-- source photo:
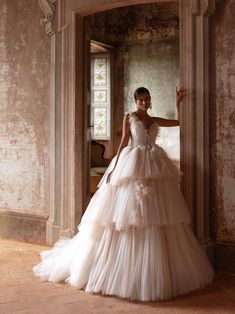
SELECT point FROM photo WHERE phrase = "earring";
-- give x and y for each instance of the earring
(150, 107)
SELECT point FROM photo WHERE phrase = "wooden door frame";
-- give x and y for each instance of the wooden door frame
(194, 116)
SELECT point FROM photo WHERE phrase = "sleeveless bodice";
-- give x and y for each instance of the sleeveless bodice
(140, 134)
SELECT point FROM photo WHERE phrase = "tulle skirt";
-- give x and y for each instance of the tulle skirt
(135, 239)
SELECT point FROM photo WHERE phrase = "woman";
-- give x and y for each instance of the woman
(134, 240)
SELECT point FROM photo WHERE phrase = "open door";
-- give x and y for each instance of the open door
(87, 112)
(82, 112)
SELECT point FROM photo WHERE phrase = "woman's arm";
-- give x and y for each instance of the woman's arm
(180, 94)
(167, 122)
(124, 141)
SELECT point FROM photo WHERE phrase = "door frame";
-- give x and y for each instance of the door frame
(194, 113)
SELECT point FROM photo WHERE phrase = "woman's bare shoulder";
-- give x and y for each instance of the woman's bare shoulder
(129, 113)
(126, 118)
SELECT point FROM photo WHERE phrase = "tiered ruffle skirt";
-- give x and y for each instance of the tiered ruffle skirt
(134, 240)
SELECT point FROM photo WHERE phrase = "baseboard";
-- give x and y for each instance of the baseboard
(209, 249)
(28, 227)
(52, 232)
(224, 257)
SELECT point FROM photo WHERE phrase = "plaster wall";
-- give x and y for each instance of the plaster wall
(222, 132)
(24, 108)
(155, 66)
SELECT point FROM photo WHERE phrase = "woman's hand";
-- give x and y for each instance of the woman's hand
(180, 94)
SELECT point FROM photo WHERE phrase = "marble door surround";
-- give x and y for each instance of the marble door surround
(64, 23)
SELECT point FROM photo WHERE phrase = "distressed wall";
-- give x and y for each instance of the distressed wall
(24, 108)
(155, 66)
(222, 133)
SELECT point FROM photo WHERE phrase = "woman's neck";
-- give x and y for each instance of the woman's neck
(142, 113)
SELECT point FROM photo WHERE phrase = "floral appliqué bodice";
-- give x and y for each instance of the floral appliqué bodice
(140, 134)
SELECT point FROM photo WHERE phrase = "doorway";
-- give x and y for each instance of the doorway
(140, 47)
(194, 150)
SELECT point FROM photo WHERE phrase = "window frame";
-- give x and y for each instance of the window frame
(108, 88)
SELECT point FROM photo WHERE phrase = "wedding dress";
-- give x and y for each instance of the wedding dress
(134, 240)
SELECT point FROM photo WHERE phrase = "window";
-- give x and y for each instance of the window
(100, 96)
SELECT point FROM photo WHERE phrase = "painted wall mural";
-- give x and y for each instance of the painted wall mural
(140, 23)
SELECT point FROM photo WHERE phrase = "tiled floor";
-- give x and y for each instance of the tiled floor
(22, 293)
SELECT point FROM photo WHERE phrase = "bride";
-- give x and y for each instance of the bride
(134, 240)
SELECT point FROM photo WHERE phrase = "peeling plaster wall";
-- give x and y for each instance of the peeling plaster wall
(222, 131)
(155, 66)
(24, 108)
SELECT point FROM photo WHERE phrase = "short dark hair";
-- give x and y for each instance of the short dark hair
(140, 91)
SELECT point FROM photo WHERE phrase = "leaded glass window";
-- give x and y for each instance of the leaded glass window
(100, 96)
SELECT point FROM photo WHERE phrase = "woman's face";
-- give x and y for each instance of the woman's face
(143, 102)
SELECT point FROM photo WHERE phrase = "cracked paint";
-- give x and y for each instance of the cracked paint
(222, 124)
(24, 108)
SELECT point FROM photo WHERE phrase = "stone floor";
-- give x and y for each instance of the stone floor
(22, 293)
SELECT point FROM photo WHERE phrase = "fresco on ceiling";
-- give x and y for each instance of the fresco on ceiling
(133, 24)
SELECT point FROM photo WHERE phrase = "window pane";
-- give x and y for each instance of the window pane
(100, 72)
(100, 125)
(100, 96)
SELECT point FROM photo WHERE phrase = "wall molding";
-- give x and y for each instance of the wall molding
(195, 116)
(49, 8)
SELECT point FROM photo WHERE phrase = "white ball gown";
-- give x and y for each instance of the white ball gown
(134, 240)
